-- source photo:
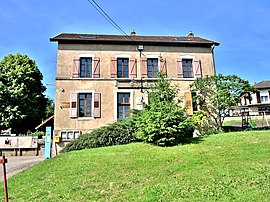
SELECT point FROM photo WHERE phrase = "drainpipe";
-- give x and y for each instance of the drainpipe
(213, 47)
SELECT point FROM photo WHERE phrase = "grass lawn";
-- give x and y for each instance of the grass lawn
(223, 167)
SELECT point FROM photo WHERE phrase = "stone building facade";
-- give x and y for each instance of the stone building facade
(100, 77)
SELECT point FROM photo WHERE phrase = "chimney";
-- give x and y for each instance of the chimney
(255, 83)
(133, 33)
(190, 34)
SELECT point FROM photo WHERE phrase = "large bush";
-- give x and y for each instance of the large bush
(203, 123)
(120, 132)
(163, 121)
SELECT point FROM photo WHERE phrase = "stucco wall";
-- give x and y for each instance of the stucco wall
(107, 86)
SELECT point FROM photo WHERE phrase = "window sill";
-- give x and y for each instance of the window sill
(85, 118)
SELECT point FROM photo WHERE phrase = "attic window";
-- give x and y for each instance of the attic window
(88, 37)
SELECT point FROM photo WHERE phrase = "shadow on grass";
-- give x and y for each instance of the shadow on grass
(192, 140)
(228, 129)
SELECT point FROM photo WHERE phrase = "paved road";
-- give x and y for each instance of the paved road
(17, 164)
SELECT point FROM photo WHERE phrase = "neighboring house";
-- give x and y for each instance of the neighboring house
(100, 77)
(261, 100)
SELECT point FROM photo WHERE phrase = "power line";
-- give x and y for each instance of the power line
(108, 18)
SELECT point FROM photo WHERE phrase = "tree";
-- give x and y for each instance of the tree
(218, 93)
(163, 121)
(49, 107)
(22, 103)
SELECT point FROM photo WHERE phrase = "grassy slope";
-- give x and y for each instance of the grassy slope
(225, 167)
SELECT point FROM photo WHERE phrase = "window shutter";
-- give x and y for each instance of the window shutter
(113, 67)
(73, 105)
(188, 102)
(258, 96)
(163, 66)
(76, 67)
(144, 67)
(96, 70)
(197, 68)
(97, 111)
(179, 68)
(133, 68)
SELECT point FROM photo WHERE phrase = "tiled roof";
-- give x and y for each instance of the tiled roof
(134, 39)
(263, 84)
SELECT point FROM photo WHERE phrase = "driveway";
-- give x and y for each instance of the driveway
(17, 164)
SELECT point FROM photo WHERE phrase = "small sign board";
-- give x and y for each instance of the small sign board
(65, 104)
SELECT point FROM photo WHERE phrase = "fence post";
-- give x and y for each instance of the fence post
(3, 161)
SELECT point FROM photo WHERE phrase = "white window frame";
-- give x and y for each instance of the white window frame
(131, 92)
(78, 104)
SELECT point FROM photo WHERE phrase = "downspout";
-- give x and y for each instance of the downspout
(214, 65)
(213, 47)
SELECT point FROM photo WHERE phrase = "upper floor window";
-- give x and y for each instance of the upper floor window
(85, 104)
(122, 68)
(152, 68)
(264, 99)
(187, 68)
(85, 67)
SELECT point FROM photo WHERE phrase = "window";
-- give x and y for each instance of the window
(123, 105)
(187, 68)
(85, 67)
(122, 67)
(264, 99)
(152, 68)
(85, 104)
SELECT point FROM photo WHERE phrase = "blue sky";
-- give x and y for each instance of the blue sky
(241, 26)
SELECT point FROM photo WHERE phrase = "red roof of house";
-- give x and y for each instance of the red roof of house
(132, 39)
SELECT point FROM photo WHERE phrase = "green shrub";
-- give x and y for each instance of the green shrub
(37, 133)
(203, 123)
(117, 133)
(163, 122)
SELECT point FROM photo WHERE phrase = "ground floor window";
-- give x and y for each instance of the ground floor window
(85, 104)
(123, 105)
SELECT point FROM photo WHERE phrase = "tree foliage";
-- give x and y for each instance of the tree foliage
(218, 93)
(49, 111)
(22, 103)
(163, 121)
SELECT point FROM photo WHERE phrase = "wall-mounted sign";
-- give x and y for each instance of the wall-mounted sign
(65, 104)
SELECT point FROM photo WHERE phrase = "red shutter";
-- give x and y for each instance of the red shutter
(113, 67)
(76, 67)
(73, 105)
(179, 68)
(197, 68)
(144, 67)
(163, 66)
(133, 68)
(96, 70)
(97, 111)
